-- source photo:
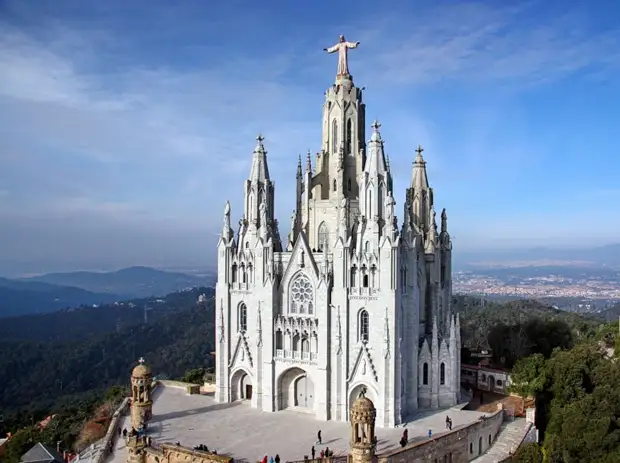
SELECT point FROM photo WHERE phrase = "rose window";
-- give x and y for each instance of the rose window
(302, 296)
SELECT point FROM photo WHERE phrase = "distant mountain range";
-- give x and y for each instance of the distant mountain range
(602, 256)
(55, 291)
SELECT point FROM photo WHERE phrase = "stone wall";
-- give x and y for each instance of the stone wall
(170, 453)
(112, 431)
(460, 445)
(188, 387)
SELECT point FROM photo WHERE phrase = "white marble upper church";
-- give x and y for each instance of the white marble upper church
(351, 301)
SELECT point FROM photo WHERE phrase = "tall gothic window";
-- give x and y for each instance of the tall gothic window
(335, 185)
(334, 136)
(369, 204)
(349, 142)
(243, 317)
(323, 237)
(353, 276)
(425, 374)
(302, 295)
(380, 211)
(349, 185)
(442, 374)
(363, 326)
(234, 273)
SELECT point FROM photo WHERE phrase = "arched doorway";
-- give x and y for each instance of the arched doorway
(491, 383)
(240, 386)
(296, 390)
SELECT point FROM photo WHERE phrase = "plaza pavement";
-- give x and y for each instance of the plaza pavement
(247, 434)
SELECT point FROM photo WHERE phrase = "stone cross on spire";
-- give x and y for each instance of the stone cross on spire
(376, 125)
(419, 150)
(141, 360)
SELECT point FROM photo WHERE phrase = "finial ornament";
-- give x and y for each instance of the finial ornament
(260, 138)
(141, 360)
(419, 150)
(376, 125)
(342, 47)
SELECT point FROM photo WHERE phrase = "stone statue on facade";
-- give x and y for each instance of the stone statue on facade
(263, 213)
(444, 221)
(241, 225)
(342, 47)
(227, 216)
(389, 209)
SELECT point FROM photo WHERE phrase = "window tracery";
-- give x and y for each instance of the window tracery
(323, 237)
(363, 326)
(302, 295)
(243, 317)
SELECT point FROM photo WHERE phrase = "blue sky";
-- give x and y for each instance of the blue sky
(125, 125)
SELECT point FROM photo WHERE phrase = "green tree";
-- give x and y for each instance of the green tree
(528, 377)
(528, 453)
(194, 376)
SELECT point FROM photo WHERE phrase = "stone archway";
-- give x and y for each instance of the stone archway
(241, 387)
(296, 390)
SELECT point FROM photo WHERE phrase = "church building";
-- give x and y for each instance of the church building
(352, 302)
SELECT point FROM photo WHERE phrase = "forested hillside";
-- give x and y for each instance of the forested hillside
(37, 377)
(86, 322)
(57, 362)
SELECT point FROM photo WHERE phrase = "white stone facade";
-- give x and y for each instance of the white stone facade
(351, 302)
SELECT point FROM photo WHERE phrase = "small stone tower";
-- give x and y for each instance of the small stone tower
(362, 418)
(136, 446)
(141, 401)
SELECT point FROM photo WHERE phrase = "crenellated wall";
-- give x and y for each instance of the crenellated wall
(461, 445)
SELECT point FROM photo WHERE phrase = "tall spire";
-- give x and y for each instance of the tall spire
(419, 179)
(419, 197)
(260, 170)
(375, 160)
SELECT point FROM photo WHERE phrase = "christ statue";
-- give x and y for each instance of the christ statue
(342, 47)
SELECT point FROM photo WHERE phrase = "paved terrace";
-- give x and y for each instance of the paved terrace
(247, 434)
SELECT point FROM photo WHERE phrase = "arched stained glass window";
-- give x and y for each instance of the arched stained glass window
(323, 237)
(243, 317)
(364, 326)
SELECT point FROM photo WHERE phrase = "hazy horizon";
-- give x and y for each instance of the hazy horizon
(127, 127)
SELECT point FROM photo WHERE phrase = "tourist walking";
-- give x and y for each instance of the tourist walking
(318, 437)
(277, 458)
(313, 452)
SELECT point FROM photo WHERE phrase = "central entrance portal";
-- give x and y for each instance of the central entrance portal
(304, 392)
(296, 390)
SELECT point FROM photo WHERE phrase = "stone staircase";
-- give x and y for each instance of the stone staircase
(510, 436)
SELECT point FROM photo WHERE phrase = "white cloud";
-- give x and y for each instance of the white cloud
(95, 128)
(474, 42)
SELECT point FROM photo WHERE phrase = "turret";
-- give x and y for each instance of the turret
(259, 200)
(363, 440)
(420, 196)
(376, 201)
(141, 400)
